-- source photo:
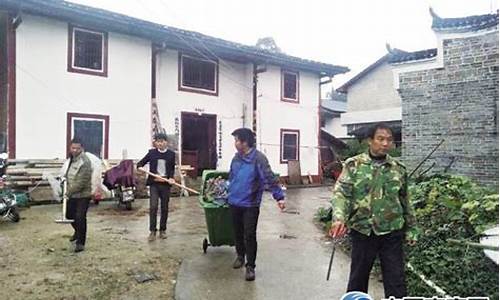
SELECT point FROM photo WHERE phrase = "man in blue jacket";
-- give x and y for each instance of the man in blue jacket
(249, 176)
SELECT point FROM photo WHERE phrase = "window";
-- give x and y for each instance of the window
(290, 145)
(93, 130)
(87, 51)
(198, 75)
(289, 86)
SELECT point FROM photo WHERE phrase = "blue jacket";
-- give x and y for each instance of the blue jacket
(249, 176)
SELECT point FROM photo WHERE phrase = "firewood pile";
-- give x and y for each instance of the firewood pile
(27, 175)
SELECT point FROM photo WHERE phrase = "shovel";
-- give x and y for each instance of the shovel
(63, 219)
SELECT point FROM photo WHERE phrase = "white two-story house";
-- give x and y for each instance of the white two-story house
(71, 70)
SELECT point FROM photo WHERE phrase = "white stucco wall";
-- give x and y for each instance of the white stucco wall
(374, 91)
(273, 115)
(372, 116)
(235, 91)
(46, 91)
(334, 127)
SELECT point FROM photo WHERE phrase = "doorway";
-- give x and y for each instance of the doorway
(199, 149)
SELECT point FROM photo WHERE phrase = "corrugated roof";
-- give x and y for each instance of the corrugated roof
(171, 36)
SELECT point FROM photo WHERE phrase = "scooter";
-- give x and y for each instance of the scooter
(8, 203)
(120, 180)
(125, 196)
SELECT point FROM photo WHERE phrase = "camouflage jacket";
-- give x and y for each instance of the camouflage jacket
(371, 196)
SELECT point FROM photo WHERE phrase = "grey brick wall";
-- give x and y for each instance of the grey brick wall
(458, 103)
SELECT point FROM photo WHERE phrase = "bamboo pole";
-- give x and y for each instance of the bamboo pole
(472, 244)
(431, 284)
(165, 180)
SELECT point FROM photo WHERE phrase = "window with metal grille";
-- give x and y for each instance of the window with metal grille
(289, 145)
(88, 52)
(290, 86)
(199, 74)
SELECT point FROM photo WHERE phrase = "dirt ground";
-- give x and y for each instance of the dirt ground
(37, 262)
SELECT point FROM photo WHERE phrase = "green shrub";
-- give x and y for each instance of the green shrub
(451, 207)
(395, 152)
(354, 147)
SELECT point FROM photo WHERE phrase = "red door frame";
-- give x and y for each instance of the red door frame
(211, 134)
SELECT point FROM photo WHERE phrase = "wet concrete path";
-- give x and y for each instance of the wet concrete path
(292, 268)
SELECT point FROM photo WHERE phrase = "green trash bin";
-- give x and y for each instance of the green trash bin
(218, 216)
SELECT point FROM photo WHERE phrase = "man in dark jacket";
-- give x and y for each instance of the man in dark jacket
(249, 176)
(79, 191)
(162, 162)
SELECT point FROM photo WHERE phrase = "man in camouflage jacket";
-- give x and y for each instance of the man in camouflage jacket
(370, 198)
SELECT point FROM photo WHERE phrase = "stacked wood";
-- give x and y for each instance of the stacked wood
(27, 175)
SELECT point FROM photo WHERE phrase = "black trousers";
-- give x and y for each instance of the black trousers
(158, 193)
(389, 248)
(245, 221)
(77, 211)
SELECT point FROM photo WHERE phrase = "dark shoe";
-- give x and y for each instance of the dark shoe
(73, 238)
(250, 274)
(163, 235)
(79, 248)
(152, 236)
(238, 262)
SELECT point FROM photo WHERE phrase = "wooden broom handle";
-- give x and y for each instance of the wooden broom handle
(175, 183)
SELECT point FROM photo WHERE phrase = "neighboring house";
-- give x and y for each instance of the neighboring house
(332, 107)
(372, 98)
(451, 94)
(332, 134)
(76, 70)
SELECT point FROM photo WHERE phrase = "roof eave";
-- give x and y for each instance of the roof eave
(102, 19)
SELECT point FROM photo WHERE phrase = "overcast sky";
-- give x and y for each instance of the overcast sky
(349, 33)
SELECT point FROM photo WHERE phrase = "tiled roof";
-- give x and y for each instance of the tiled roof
(333, 106)
(470, 23)
(398, 56)
(171, 36)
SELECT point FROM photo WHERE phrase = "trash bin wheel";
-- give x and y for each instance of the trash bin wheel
(205, 245)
